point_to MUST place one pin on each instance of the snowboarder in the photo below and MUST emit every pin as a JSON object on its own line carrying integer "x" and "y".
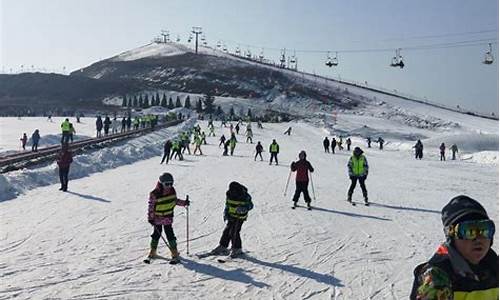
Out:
{"x": 258, "y": 151}
{"x": 35, "y": 139}
{"x": 357, "y": 168}
{"x": 442, "y": 149}
{"x": 162, "y": 201}
{"x": 326, "y": 145}
{"x": 274, "y": 149}
{"x": 166, "y": 151}
{"x": 369, "y": 141}
{"x": 288, "y": 131}
{"x": 64, "y": 160}
{"x": 348, "y": 143}
{"x": 302, "y": 167}
{"x": 334, "y": 144}
{"x": 238, "y": 203}
{"x": 419, "y": 150}
{"x": 66, "y": 129}
{"x": 380, "y": 142}
{"x": 23, "y": 140}
{"x": 464, "y": 266}
{"x": 222, "y": 140}
{"x": 454, "y": 151}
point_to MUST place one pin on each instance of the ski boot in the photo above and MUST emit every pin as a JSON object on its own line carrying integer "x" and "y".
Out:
{"x": 294, "y": 204}
{"x": 349, "y": 199}
{"x": 309, "y": 206}
{"x": 235, "y": 252}
{"x": 152, "y": 253}
{"x": 220, "y": 250}
{"x": 175, "y": 256}
{"x": 366, "y": 201}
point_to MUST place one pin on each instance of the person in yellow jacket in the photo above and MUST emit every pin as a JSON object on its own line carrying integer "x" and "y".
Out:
{"x": 66, "y": 131}
{"x": 464, "y": 267}
{"x": 274, "y": 149}
{"x": 357, "y": 168}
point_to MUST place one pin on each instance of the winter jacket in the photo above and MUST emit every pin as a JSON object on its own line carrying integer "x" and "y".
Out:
{"x": 259, "y": 148}
{"x": 448, "y": 276}
{"x": 357, "y": 166}
{"x": 442, "y": 148}
{"x": 64, "y": 159}
{"x": 98, "y": 124}
{"x": 35, "y": 137}
{"x": 302, "y": 166}
{"x": 162, "y": 202}
{"x": 167, "y": 146}
{"x": 326, "y": 143}
{"x": 238, "y": 202}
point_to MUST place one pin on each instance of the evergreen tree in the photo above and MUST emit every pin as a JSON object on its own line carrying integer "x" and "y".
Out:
{"x": 141, "y": 101}
{"x": 178, "y": 102}
{"x": 187, "y": 102}
{"x": 146, "y": 101}
{"x": 157, "y": 99}
{"x": 199, "y": 106}
{"x": 209, "y": 100}
{"x": 124, "y": 102}
{"x": 219, "y": 112}
{"x": 164, "y": 101}
{"x": 170, "y": 103}
{"x": 129, "y": 104}
{"x": 231, "y": 112}
{"x": 136, "y": 102}
{"x": 249, "y": 113}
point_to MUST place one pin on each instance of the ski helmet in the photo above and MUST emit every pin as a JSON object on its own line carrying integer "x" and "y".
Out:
{"x": 167, "y": 179}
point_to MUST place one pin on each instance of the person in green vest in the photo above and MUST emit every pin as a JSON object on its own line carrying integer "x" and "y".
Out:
{"x": 274, "y": 149}
{"x": 358, "y": 171}
{"x": 66, "y": 130}
{"x": 197, "y": 142}
{"x": 232, "y": 143}
{"x": 238, "y": 204}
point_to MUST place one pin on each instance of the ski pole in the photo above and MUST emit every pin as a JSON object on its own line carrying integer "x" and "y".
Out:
{"x": 287, "y": 181}
{"x": 312, "y": 185}
{"x": 187, "y": 226}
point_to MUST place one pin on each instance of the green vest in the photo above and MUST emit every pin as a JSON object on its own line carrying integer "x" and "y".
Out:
{"x": 232, "y": 205}
{"x": 65, "y": 126}
{"x": 358, "y": 165}
{"x": 274, "y": 147}
{"x": 165, "y": 205}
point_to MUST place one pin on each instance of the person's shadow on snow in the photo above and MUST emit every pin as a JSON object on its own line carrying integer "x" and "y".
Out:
{"x": 89, "y": 197}
{"x": 233, "y": 275}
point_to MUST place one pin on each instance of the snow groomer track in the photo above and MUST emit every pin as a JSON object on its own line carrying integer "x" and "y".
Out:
{"x": 25, "y": 159}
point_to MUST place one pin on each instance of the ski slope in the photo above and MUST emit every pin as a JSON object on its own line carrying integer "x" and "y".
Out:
{"x": 89, "y": 242}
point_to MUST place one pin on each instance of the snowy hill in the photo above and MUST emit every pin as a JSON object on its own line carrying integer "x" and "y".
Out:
{"x": 89, "y": 243}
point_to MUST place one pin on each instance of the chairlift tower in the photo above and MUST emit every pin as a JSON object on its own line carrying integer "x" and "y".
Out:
{"x": 165, "y": 35}
{"x": 197, "y": 31}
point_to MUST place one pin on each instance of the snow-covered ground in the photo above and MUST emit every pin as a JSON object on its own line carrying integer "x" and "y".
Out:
{"x": 89, "y": 243}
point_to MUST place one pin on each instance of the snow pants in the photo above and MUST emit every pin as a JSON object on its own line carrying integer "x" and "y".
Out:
{"x": 361, "y": 179}
{"x": 442, "y": 157}
{"x": 259, "y": 154}
{"x": 232, "y": 233}
{"x": 169, "y": 232}
{"x": 301, "y": 187}
{"x": 275, "y": 155}
{"x": 63, "y": 178}
{"x": 166, "y": 156}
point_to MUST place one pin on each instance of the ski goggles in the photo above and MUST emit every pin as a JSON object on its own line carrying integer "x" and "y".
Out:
{"x": 471, "y": 230}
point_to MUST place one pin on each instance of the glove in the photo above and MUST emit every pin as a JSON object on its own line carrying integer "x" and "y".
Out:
{"x": 241, "y": 210}
{"x": 187, "y": 202}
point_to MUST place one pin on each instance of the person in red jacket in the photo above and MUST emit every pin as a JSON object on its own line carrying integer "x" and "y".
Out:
{"x": 302, "y": 167}
{"x": 162, "y": 201}
{"x": 64, "y": 160}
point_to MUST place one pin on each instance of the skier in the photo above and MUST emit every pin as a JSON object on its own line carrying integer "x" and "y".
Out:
{"x": 114, "y": 125}
{"x": 185, "y": 140}
{"x": 380, "y": 142}
{"x": 454, "y": 151}
{"x": 249, "y": 135}
{"x": 288, "y": 131}
{"x": 442, "y": 149}
{"x": 274, "y": 149}
{"x": 358, "y": 170}
{"x": 162, "y": 201}
{"x": 259, "y": 125}
{"x": 64, "y": 160}
{"x": 197, "y": 142}
{"x": 419, "y": 150}
{"x": 23, "y": 140}
{"x": 222, "y": 140}
{"x": 203, "y": 138}
{"x": 129, "y": 123}
{"x": 465, "y": 266}
{"x": 258, "y": 151}
{"x": 176, "y": 150}
{"x": 302, "y": 166}
{"x": 334, "y": 144}
{"x": 166, "y": 151}
{"x": 123, "y": 127}
{"x": 226, "y": 147}
{"x": 339, "y": 144}
{"x": 232, "y": 143}
{"x": 212, "y": 131}
{"x": 72, "y": 131}
{"x": 107, "y": 123}
{"x": 35, "y": 139}
{"x": 369, "y": 141}
{"x": 66, "y": 128}
{"x": 326, "y": 145}
{"x": 348, "y": 143}
{"x": 238, "y": 203}
{"x": 237, "y": 128}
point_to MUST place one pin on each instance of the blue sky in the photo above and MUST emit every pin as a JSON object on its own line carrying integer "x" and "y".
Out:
{"x": 73, "y": 33}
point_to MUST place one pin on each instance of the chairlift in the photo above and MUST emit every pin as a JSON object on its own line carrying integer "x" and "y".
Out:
{"x": 488, "y": 57}
{"x": 237, "y": 51}
{"x": 335, "y": 60}
{"x": 190, "y": 38}
{"x": 203, "y": 37}
{"x": 249, "y": 54}
{"x": 178, "y": 39}
{"x": 397, "y": 60}
{"x": 219, "y": 44}
{"x": 224, "y": 48}
{"x": 261, "y": 55}
{"x": 329, "y": 62}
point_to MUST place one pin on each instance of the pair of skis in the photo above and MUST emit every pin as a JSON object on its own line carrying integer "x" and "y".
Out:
{"x": 148, "y": 260}
{"x": 354, "y": 203}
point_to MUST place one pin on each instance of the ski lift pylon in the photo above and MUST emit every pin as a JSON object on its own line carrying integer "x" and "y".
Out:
{"x": 488, "y": 57}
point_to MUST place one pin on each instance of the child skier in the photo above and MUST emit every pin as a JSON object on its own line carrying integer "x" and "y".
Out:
{"x": 357, "y": 168}
{"x": 302, "y": 167}
{"x": 238, "y": 203}
{"x": 162, "y": 201}
{"x": 465, "y": 266}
